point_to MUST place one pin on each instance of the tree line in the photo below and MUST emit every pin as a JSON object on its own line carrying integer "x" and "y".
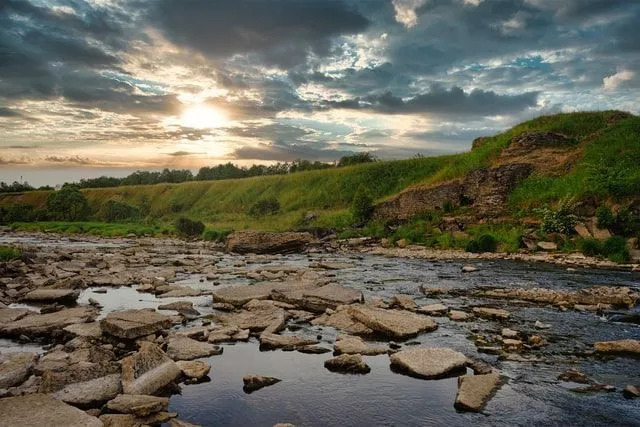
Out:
{"x": 207, "y": 173}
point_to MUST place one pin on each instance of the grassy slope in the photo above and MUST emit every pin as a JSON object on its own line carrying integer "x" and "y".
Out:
{"x": 223, "y": 204}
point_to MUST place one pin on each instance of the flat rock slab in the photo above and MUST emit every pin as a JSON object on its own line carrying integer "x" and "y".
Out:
{"x": 130, "y": 420}
{"x": 256, "y": 382}
{"x": 196, "y": 369}
{"x": 140, "y": 405}
{"x": 617, "y": 296}
{"x": 269, "y": 318}
{"x": 319, "y": 299}
{"x": 240, "y": 295}
{"x": 630, "y": 347}
{"x": 343, "y": 321}
{"x": 348, "y": 344}
{"x": 434, "y": 309}
{"x": 394, "y": 323}
{"x": 131, "y": 324}
{"x": 428, "y": 362}
{"x": 91, "y": 391}
{"x": 269, "y": 341}
{"x": 90, "y": 329}
{"x": 148, "y": 370}
{"x": 42, "y": 410}
{"x": 43, "y": 324}
{"x": 491, "y": 313}
{"x": 12, "y": 314}
{"x": 475, "y": 390}
{"x": 347, "y": 364}
{"x": 184, "y": 348}
{"x": 52, "y": 295}
{"x": 15, "y": 368}
{"x": 257, "y": 242}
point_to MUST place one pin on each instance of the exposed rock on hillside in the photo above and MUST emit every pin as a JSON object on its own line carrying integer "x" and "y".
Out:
{"x": 256, "y": 242}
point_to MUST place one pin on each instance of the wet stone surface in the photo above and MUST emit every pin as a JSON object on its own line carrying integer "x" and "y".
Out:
{"x": 116, "y": 275}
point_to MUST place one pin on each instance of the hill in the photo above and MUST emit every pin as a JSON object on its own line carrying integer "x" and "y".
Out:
{"x": 587, "y": 156}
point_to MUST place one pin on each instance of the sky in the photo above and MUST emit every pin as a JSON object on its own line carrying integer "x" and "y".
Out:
{"x": 92, "y": 87}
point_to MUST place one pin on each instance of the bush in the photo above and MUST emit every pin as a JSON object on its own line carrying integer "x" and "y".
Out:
{"x": 7, "y": 253}
{"x": 265, "y": 207}
{"x": 357, "y": 158}
{"x": 215, "y": 235}
{"x": 484, "y": 243}
{"x": 590, "y": 247}
{"x": 18, "y": 213}
{"x": 188, "y": 227}
{"x": 119, "y": 211}
{"x": 362, "y": 206}
{"x": 614, "y": 248}
{"x": 68, "y": 204}
{"x": 626, "y": 223}
{"x": 561, "y": 220}
{"x": 604, "y": 217}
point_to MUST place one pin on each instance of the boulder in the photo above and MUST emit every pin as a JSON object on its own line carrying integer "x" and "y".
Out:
{"x": 319, "y": 299}
{"x": 67, "y": 296}
{"x": 148, "y": 370}
{"x": 394, "y": 323}
{"x": 347, "y": 364}
{"x": 15, "y": 368}
{"x": 429, "y": 362}
{"x": 196, "y": 369}
{"x": 404, "y": 302}
{"x": 547, "y": 246}
{"x": 257, "y": 242}
{"x": 622, "y": 347}
{"x": 475, "y": 390}
{"x": 469, "y": 268}
{"x": 348, "y": 344}
{"x": 256, "y": 382}
{"x": 583, "y": 231}
{"x": 491, "y": 313}
{"x": 42, "y": 410}
{"x": 132, "y": 324}
{"x": 269, "y": 341}
{"x": 184, "y": 348}
{"x": 44, "y": 324}
{"x": 138, "y": 404}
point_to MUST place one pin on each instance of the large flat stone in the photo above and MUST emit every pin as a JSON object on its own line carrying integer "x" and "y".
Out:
{"x": 270, "y": 318}
{"x": 8, "y": 315}
{"x": 43, "y": 324}
{"x": 138, "y": 404}
{"x": 90, "y": 329}
{"x": 184, "y": 348}
{"x": 348, "y": 344}
{"x": 15, "y": 368}
{"x": 131, "y": 324}
{"x": 148, "y": 370}
{"x": 52, "y": 295}
{"x": 343, "y": 321}
{"x": 240, "y": 295}
{"x": 270, "y": 341}
{"x": 631, "y": 347}
{"x": 96, "y": 390}
{"x": 393, "y": 323}
{"x": 42, "y": 410}
{"x": 319, "y": 299}
{"x": 475, "y": 390}
{"x": 428, "y": 362}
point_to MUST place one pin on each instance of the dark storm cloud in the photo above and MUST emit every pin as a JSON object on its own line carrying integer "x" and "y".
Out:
{"x": 282, "y": 32}
{"x": 443, "y": 101}
{"x": 183, "y": 154}
{"x": 9, "y": 112}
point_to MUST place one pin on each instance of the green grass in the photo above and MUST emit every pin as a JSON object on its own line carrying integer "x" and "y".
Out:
{"x": 7, "y": 253}
{"x": 95, "y": 228}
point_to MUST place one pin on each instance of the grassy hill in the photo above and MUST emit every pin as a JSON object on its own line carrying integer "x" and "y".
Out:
{"x": 607, "y": 150}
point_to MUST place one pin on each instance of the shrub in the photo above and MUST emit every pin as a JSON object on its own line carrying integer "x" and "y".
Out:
{"x": 614, "y": 248}
{"x": 560, "y": 220}
{"x": 215, "y": 235}
{"x": 362, "y": 206}
{"x": 265, "y": 207}
{"x": 590, "y": 247}
{"x": 604, "y": 217}
{"x": 615, "y": 245}
{"x": 188, "y": 227}
{"x": 7, "y": 253}
{"x": 357, "y": 158}
{"x": 120, "y": 211}
{"x": 68, "y": 204}
{"x": 484, "y": 243}
{"x": 18, "y": 213}
{"x": 626, "y": 223}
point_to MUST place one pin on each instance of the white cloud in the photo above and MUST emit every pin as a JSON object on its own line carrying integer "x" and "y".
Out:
{"x": 614, "y": 81}
{"x": 406, "y": 11}
{"x": 472, "y": 2}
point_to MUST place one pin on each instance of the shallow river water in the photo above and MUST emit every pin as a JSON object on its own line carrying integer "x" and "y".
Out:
{"x": 310, "y": 395}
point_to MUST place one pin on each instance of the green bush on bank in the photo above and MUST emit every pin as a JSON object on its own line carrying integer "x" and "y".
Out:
{"x": 119, "y": 211}
{"x": 614, "y": 248}
{"x": 7, "y": 253}
{"x": 189, "y": 228}
{"x": 215, "y": 235}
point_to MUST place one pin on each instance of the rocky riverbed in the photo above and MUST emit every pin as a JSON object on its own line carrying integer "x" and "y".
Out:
{"x": 151, "y": 331}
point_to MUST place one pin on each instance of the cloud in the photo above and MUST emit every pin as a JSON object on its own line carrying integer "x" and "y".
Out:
{"x": 9, "y": 112}
{"x": 76, "y": 160}
{"x": 406, "y": 11}
{"x": 617, "y": 80}
{"x": 442, "y": 101}
{"x": 183, "y": 153}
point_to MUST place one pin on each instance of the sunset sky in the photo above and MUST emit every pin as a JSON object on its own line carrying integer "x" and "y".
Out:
{"x": 109, "y": 86}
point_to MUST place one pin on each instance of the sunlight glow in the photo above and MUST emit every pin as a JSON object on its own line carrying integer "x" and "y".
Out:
{"x": 202, "y": 117}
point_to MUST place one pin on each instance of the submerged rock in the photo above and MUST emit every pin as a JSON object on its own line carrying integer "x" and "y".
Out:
{"x": 131, "y": 324}
{"x": 43, "y": 410}
{"x": 622, "y": 347}
{"x": 184, "y": 348}
{"x": 15, "y": 368}
{"x": 257, "y": 242}
{"x": 348, "y": 344}
{"x": 429, "y": 362}
{"x": 148, "y": 370}
{"x": 138, "y": 404}
{"x": 475, "y": 390}
{"x": 348, "y": 364}
{"x": 256, "y": 382}
{"x": 393, "y": 323}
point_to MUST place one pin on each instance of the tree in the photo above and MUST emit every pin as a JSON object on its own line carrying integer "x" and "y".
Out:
{"x": 356, "y": 158}
{"x": 68, "y": 204}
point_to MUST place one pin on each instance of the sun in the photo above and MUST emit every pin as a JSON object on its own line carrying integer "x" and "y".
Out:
{"x": 202, "y": 117}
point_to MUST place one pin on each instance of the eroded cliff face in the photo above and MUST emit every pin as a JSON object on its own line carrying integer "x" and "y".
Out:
{"x": 486, "y": 190}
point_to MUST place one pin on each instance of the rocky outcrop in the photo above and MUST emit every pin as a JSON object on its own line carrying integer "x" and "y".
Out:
{"x": 256, "y": 242}
{"x": 43, "y": 410}
{"x": 429, "y": 362}
{"x": 131, "y": 324}
{"x": 148, "y": 370}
